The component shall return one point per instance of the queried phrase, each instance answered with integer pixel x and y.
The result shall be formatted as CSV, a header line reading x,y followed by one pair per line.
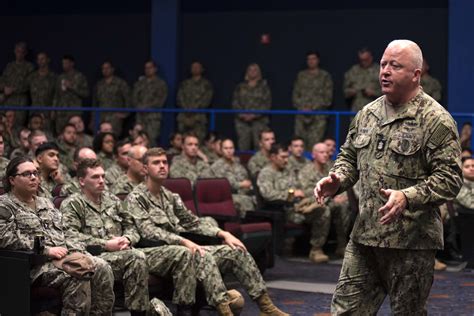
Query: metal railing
x,y
214,112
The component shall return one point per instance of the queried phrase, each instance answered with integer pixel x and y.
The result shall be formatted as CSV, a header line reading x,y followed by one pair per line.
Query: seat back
x,y
57,200
57,190
182,187
214,198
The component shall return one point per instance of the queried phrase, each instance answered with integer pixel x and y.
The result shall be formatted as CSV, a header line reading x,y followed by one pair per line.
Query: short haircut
x,y
23,129
364,50
153,152
120,144
78,151
313,52
173,135
226,139
276,148
467,124
142,134
87,163
189,134
34,134
12,169
463,160
152,62
68,125
21,45
69,57
469,150
99,139
36,114
295,138
265,131
45,147
211,136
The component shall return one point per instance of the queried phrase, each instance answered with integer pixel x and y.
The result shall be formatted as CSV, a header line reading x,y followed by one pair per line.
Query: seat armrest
x,y
146,243
201,239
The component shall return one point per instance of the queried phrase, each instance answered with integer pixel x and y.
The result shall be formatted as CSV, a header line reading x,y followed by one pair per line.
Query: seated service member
x,y
23,217
95,217
73,186
161,215
135,173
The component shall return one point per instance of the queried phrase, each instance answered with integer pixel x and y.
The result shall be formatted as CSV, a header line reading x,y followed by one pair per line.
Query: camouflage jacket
x,y
234,172
416,151
257,162
3,166
94,225
66,154
195,94
115,94
466,195
107,161
312,91
252,98
70,187
431,86
211,156
295,165
274,184
183,168
309,176
14,75
359,79
122,185
149,93
164,217
42,88
113,173
71,97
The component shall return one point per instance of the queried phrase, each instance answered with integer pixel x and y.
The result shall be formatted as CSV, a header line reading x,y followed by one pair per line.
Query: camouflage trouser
x,y
243,203
175,261
76,294
223,259
192,122
102,288
341,215
311,128
151,124
319,220
129,266
248,133
368,274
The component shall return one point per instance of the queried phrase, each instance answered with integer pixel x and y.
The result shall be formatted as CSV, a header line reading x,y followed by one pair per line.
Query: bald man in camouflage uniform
x,y
252,94
188,165
21,222
194,93
13,84
230,168
312,91
150,92
430,85
404,148
71,89
361,83
112,92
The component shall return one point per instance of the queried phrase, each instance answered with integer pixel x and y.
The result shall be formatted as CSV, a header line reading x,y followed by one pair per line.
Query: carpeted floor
x,y
304,289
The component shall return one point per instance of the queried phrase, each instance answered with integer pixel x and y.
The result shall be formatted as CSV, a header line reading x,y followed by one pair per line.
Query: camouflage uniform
x,y
165,217
46,187
183,168
71,97
359,78
244,199
113,94
113,173
338,212
211,156
251,98
122,185
431,86
42,90
19,224
313,92
257,163
66,154
194,94
70,187
3,166
417,152
150,94
14,75
107,161
295,165
274,185
94,225
466,195
84,140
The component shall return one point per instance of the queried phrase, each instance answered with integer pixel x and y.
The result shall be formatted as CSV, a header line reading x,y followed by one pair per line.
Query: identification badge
x,y
380,146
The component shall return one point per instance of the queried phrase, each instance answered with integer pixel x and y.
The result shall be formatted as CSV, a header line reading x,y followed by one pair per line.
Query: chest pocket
x,y
404,154
112,222
94,226
361,143
28,223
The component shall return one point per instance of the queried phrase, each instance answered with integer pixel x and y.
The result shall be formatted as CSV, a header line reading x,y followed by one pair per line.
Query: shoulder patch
x,y
438,136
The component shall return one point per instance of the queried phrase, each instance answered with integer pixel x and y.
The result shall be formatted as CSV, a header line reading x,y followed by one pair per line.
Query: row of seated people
x,y
96,218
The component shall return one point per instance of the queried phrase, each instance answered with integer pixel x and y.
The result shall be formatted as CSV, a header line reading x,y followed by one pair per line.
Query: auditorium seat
x,y
182,187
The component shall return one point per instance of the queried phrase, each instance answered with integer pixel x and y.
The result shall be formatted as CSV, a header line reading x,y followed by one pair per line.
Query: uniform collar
x,y
409,109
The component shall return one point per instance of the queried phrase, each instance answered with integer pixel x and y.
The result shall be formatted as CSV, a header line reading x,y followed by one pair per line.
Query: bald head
x,y
411,48
320,153
86,153
137,151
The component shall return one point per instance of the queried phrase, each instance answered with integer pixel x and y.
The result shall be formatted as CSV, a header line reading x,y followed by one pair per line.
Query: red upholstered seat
x,y
184,189
58,200
214,198
57,190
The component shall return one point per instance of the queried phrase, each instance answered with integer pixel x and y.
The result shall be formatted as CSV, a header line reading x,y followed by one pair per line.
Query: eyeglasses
x,y
28,174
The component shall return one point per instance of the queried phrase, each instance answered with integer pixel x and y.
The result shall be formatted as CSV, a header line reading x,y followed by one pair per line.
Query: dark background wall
x,y
227,42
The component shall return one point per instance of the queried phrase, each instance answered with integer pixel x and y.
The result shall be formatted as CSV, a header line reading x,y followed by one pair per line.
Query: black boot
x,y
137,313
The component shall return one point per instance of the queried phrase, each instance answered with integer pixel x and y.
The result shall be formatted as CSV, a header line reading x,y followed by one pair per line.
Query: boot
x,y
236,302
340,251
267,308
317,255
439,266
